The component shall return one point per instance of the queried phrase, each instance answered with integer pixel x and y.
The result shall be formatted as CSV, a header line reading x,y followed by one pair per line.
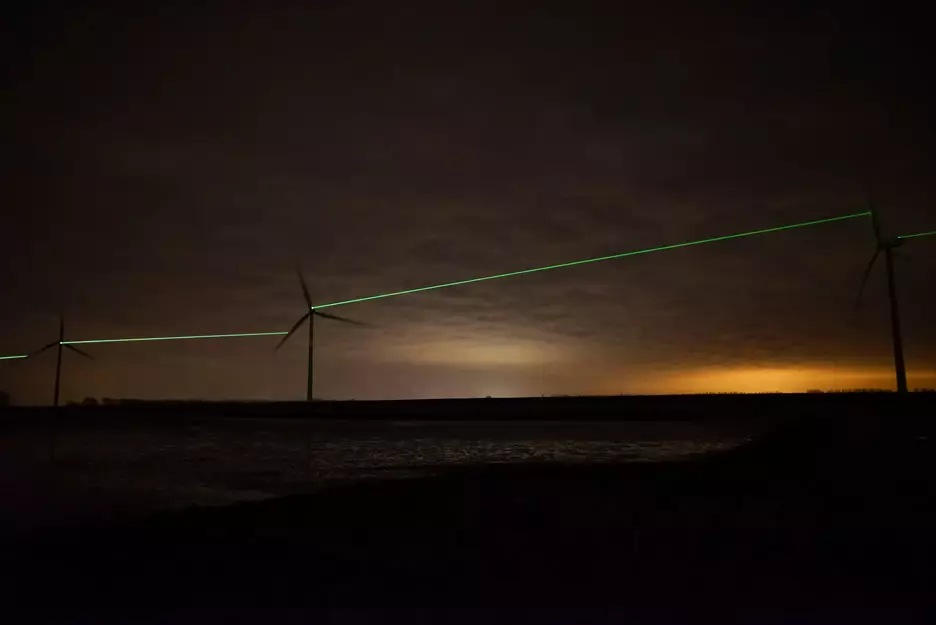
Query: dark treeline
x,y
626,408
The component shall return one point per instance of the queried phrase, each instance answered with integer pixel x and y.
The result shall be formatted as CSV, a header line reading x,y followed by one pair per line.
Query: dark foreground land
x,y
827,520
715,407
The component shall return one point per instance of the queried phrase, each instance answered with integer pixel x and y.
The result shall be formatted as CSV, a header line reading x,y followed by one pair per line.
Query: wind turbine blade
x,y
78,351
40,350
305,287
337,318
866,276
293,329
876,224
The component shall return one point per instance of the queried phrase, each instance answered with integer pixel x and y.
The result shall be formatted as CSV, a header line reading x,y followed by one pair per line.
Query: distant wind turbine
x,y
888,246
60,343
310,316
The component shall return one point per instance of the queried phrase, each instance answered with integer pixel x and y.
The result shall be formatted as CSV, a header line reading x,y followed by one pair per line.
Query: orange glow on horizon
x,y
781,379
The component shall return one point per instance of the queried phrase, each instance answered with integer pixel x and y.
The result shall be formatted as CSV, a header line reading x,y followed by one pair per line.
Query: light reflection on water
x,y
176,464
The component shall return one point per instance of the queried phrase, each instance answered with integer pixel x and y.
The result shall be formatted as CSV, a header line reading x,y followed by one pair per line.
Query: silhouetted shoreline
x,y
595,408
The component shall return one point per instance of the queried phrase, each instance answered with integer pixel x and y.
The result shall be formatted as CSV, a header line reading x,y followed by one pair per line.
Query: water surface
x,y
134,467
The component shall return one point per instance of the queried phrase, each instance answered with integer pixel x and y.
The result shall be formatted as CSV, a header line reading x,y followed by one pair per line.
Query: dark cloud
x,y
171,164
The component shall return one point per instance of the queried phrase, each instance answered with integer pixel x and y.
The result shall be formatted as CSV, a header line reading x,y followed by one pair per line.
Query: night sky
x,y
165,165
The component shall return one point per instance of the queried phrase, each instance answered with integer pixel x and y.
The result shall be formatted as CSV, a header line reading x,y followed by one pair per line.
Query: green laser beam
x,y
918,234
174,338
482,279
595,260
14,357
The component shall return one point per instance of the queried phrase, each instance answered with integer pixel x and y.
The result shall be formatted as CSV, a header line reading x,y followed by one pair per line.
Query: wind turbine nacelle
x,y
893,242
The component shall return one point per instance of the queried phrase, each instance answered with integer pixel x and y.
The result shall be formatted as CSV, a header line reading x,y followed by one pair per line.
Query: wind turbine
x,y
60,343
310,316
887,245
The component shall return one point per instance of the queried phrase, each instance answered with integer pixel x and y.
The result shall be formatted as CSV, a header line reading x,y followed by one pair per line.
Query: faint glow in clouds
x,y
479,351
